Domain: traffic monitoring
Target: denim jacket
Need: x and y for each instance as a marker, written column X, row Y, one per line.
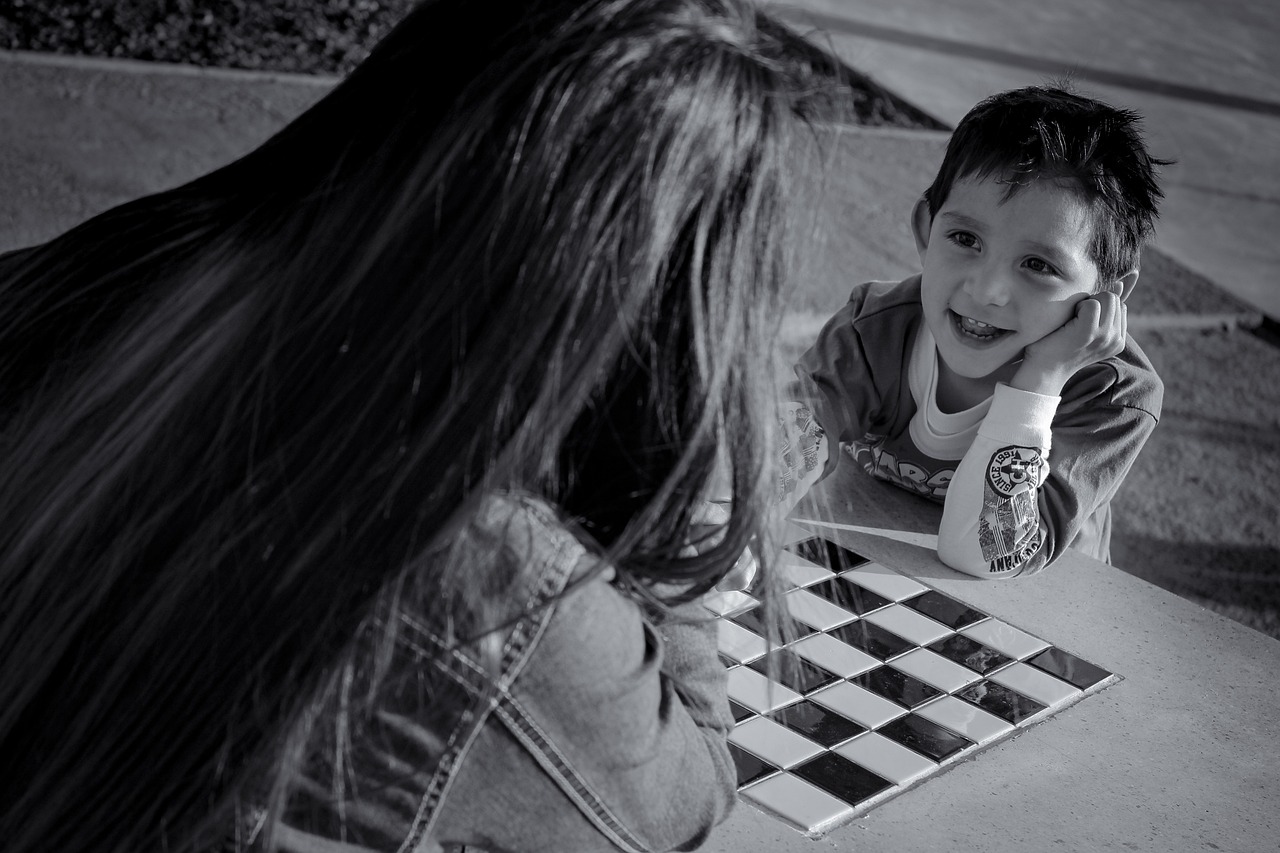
column 583, row 724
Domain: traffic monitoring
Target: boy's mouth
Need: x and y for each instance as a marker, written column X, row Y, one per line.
column 976, row 329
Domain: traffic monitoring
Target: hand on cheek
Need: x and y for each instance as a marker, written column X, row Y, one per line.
column 1094, row 332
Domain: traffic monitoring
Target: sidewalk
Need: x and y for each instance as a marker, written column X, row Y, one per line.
column 1204, row 73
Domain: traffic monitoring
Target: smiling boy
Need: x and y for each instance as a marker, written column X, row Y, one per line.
column 1001, row 380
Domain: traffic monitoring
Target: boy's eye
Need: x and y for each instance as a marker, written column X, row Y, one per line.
column 963, row 239
column 1040, row 266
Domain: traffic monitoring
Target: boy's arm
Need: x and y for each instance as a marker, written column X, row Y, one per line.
column 1005, row 513
column 832, row 401
column 1013, row 507
column 992, row 524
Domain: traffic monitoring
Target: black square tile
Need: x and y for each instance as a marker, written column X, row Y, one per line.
column 750, row 768
column 753, row 620
column 793, row 671
column 849, row 595
column 925, row 737
column 896, row 686
column 1000, row 700
column 817, row 723
column 1068, row 667
column 970, row 653
column 945, row 609
column 872, row 639
column 740, row 712
column 835, row 557
column 837, row 775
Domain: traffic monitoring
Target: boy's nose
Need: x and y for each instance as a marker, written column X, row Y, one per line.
column 988, row 287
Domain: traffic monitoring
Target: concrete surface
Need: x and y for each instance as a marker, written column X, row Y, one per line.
column 1176, row 756
column 1205, row 73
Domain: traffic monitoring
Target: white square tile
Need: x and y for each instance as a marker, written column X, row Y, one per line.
column 791, row 798
column 963, row 718
column 1037, row 684
column 1005, row 638
column 885, row 581
column 739, row 643
column 815, row 610
column 932, row 668
column 887, row 758
column 750, row 688
column 908, row 624
column 800, row 571
column 730, row 601
column 773, row 742
column 834, row 656
column 858, row 704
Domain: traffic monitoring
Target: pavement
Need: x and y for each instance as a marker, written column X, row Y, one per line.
column 1204, row 73
column 1198, row 513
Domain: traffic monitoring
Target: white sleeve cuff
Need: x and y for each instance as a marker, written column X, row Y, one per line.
column 1019, row 417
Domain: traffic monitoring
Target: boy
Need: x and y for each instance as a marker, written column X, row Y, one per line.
column 1001, row 380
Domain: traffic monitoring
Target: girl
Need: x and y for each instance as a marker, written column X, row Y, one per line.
column 348, row 489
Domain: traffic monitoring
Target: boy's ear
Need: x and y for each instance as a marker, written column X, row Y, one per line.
column 921, row 223
column 1126, row 283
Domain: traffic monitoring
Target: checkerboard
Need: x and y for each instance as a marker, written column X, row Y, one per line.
column 887, row 682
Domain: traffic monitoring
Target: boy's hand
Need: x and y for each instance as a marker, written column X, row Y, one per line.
column 1096, row 331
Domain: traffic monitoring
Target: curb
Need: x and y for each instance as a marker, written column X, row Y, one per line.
column 167, row 69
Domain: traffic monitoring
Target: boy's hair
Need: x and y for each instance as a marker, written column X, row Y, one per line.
column 1024, row 135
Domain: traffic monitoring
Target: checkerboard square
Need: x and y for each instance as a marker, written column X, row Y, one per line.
column 847, row 595
column 750, row 767
column 935, row 670
column 879, row 642
column 797, row 802
column 897, row 686
column 817, row 723
column 858, row 704
column 776, row 744
column 1005, row 638
column 969, row 653
column 1036, row 683
column 1009, row 705
column 966, row 719
column 1069, row 668
column 942, row 608
column 925, row 737
column 834, row 656
column 837, row 775
column 793, row 671
column 887, row 758
column 885, row 581
column 908, row 624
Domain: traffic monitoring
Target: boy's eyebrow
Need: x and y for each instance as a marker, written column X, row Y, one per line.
column 1057, row 257
column 962, row 220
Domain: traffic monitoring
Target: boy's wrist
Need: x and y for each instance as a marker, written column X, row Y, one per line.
column 1040, row 380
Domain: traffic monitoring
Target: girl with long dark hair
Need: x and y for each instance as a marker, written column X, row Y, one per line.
column 347, row 490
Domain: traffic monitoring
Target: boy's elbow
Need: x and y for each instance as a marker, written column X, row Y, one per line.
column 970, row 562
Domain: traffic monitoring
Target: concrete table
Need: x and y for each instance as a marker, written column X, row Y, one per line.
column 1179, row 754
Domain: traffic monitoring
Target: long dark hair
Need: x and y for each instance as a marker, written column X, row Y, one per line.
column 530, row 246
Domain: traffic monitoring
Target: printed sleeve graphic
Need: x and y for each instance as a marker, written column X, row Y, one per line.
column 1009, row 529
column 802, row 439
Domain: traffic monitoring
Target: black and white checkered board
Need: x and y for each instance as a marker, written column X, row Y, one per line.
column 888, row 681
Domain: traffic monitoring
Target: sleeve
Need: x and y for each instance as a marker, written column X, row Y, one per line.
column 638, row 713
column 832, row 401
column 1012, row 507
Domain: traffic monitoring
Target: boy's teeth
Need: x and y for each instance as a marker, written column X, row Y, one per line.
column 976, row 326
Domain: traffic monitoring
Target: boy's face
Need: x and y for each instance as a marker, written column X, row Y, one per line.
column 999, row 275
